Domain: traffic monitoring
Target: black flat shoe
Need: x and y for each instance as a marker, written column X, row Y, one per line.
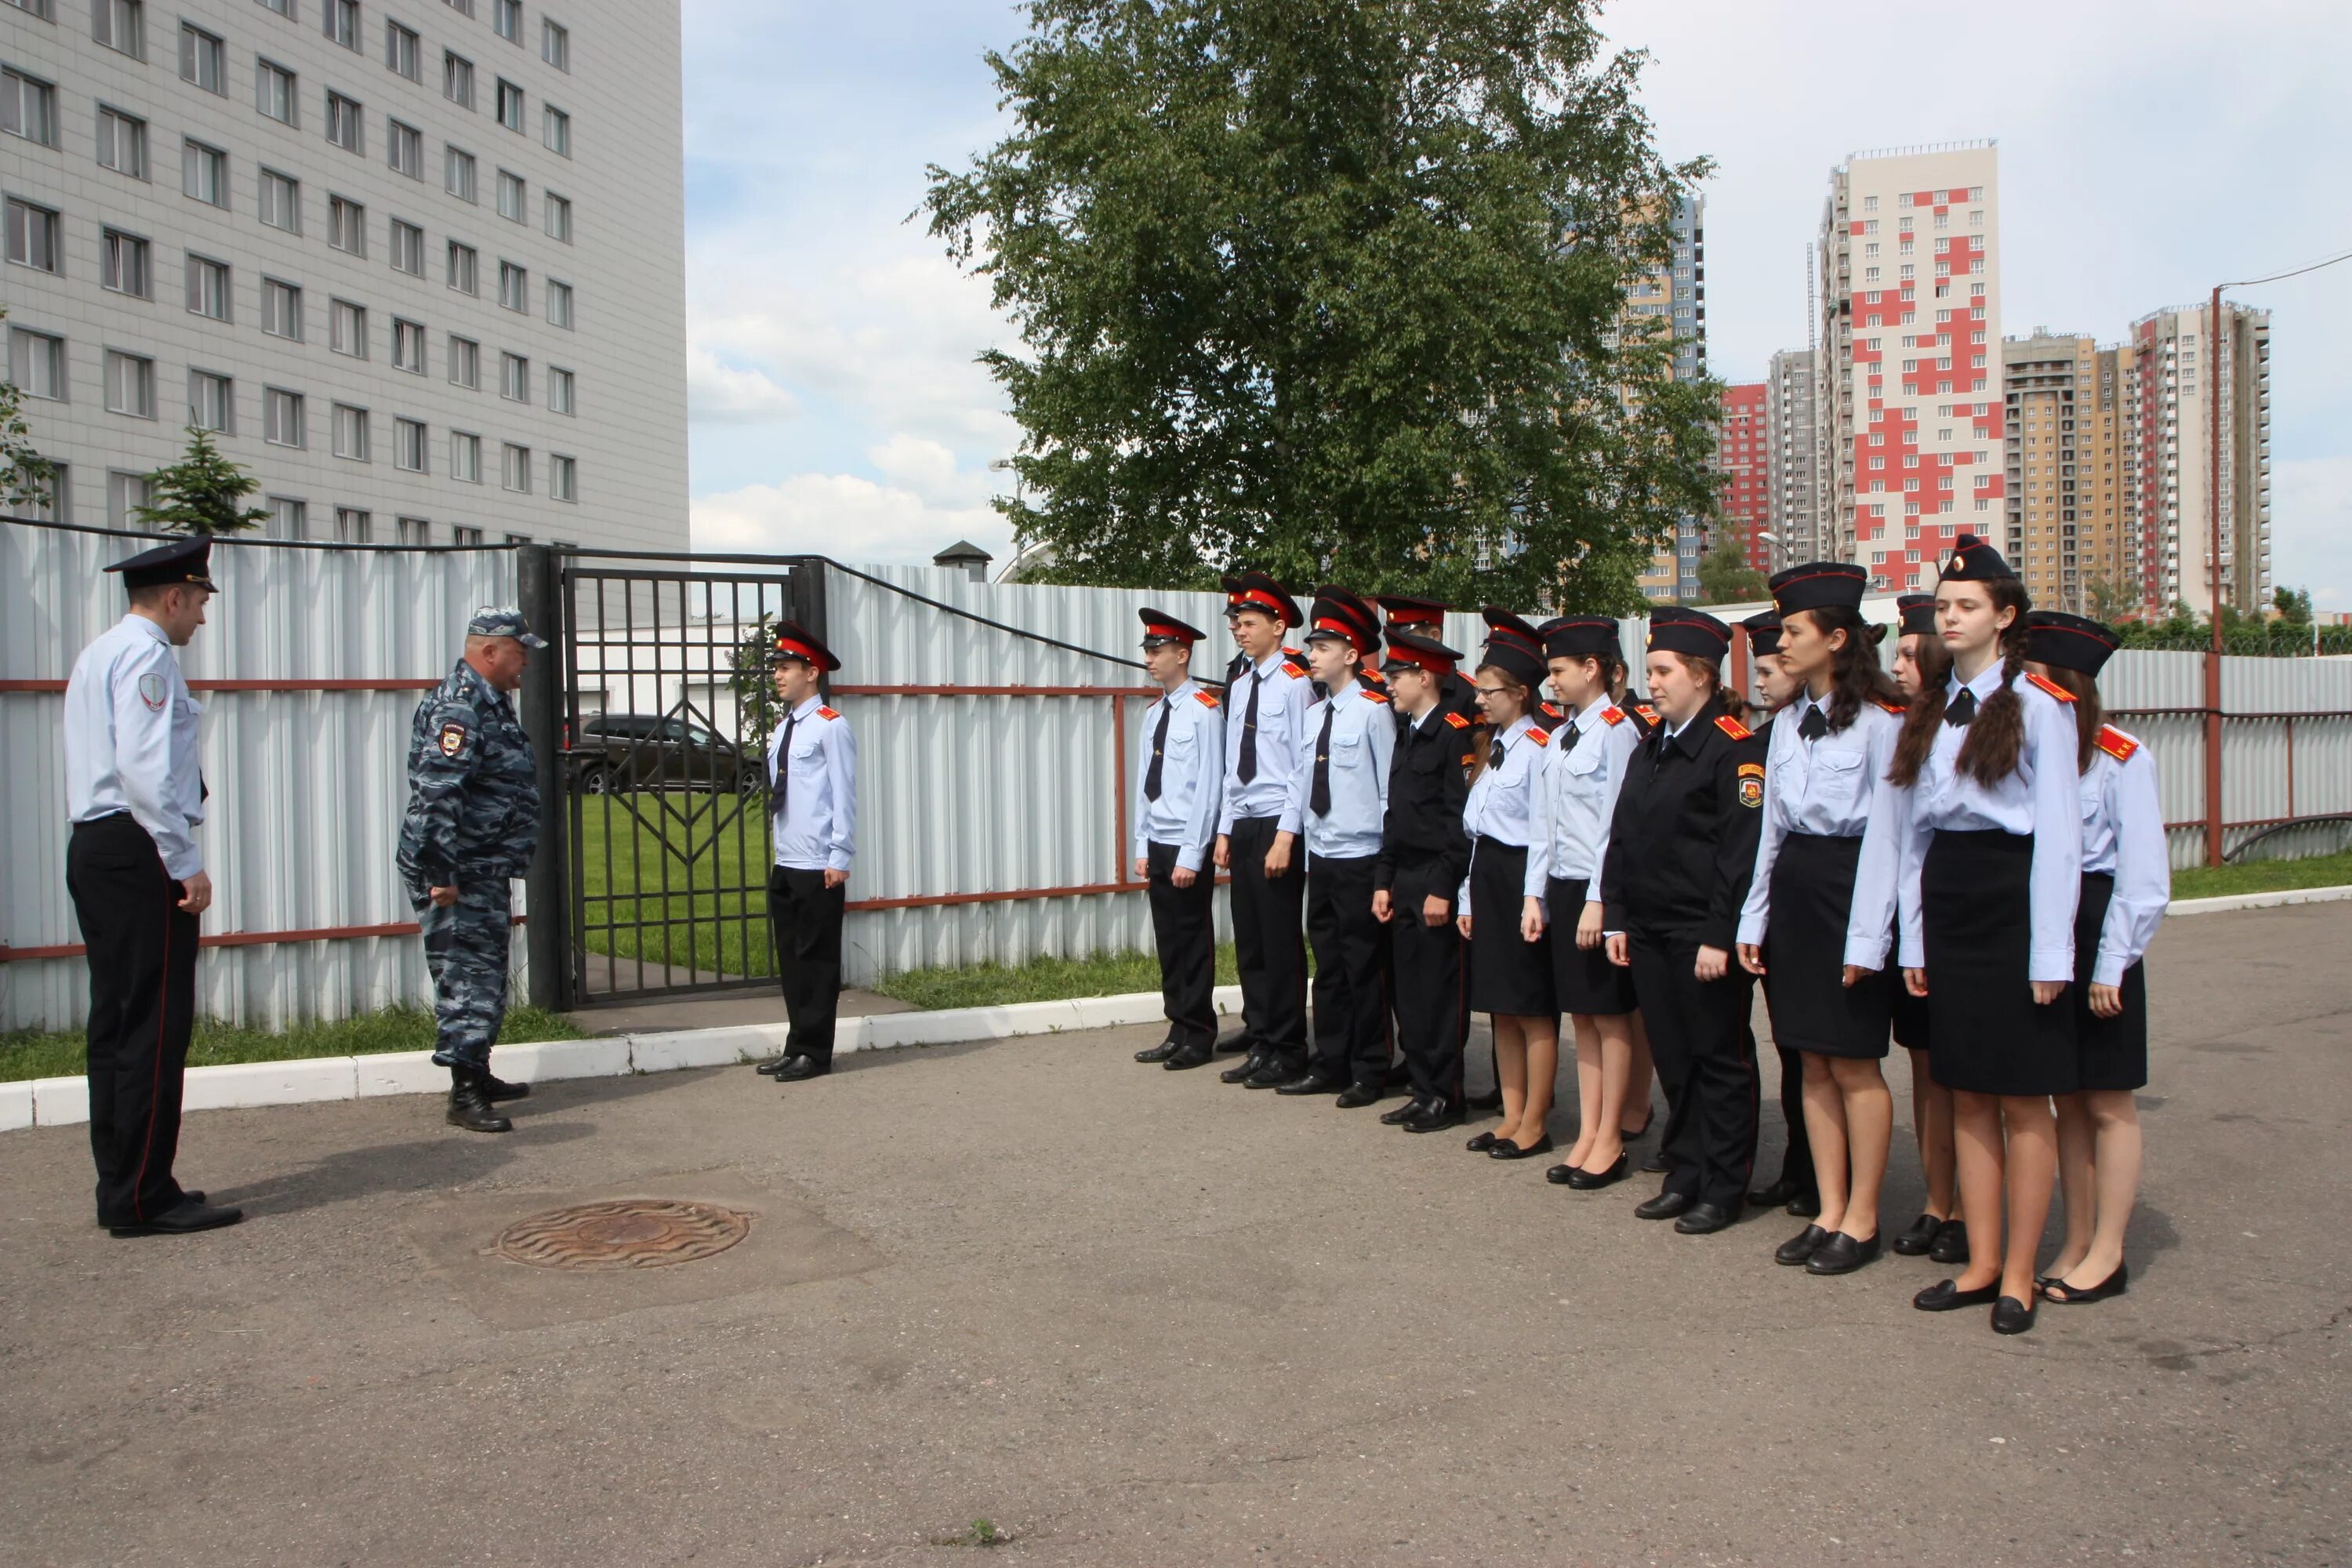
column 1773, row 1196
column 1665, row 1205
column 1357, row 1096
column 1841, row 1254
column 1951, row 1243
column 1505, row 1148
column 1274, row 1074
column 1657, row 1164
column 1245, row 1069
column 1705, row 1219
column 767, row 1068
column 1159, row 1053
column 2012, row 1316
column 1945, row 1296
column 1794, row 1252
column 188, row 1214
column 1239, row 1040
column 1594, row 1181
column 2066, row 1295
column 1309, row 1082
column 1435, row 1116
column 1403, row 1113
column 1631, row 1134
column 798, row 1069
column 1481, row 1142
column 1185, row 1061
column 1804, row 1205
column 1921, row 1236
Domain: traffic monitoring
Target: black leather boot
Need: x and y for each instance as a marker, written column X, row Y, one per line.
column 496, row 1088
column 469, row 1102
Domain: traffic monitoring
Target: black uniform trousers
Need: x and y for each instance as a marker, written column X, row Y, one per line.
column 1707, row 1062
column 1351, row 998
column 1432, row 997
column 142, row 950
column 1183, row 928
column 804, row 920
column 1268, row 948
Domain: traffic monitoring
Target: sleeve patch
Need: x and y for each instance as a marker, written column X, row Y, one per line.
column 1456, row 720
column 1752, row 788
column 1733, row 727
column 2050, row 686
column 828, row 714
column 1613, row 715
column 2116, row 744
column 452, row 739
column 1751, row 770
column 1540, row 737
column 1205, row 700
column 152, row 691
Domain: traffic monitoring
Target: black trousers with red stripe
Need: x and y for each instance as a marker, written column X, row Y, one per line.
column 142, row 1007
column 1707, row 1063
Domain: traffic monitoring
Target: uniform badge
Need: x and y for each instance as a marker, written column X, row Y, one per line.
column 1733, row 728
column 1456, row 720
column 2116, row 744
column 1751, row 785
column 452, row 739
column 1205, row 700
column 152, row 691
column 2050, row 686
column 828, row 714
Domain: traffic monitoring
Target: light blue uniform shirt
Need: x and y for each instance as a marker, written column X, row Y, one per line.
column 2039, row 799
column 130, row 741
column 1283, row 740
column 817, row 829
column 1191, row 776
column 2123, row 835
column 1363, row 741
column 1576, row 797
column 1827, row 788
column 1502, row 803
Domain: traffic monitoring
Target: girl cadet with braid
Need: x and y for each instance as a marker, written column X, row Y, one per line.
column 1990, row 872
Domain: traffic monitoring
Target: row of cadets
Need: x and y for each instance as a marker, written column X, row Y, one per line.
column 1340, row 796
column 1820, row 912
column 1681, row 849
column 1176, row 796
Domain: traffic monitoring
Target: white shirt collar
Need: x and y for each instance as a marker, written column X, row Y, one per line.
column 1272, row 661
column 1590, row 714
column 150, row 627
column 809, row 707
column 1987, row 680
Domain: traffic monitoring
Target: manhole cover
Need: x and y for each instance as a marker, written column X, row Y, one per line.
column 623, row 1233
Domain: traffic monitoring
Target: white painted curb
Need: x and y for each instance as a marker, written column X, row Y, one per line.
column 65, row 1101
column 2259, row 901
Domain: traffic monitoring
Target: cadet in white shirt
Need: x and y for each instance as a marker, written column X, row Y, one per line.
column 138, row 882
column 812, row 805
column 2126, row 883
column 1180, row 774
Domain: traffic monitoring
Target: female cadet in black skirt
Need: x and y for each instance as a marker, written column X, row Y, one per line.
column 1921, row 659
column 1681, row 847
column 1510, row 967
column 2126, row 882
column 1794, row 1188
column 1819, row 915
column 1575, row 800
column 1991, row 869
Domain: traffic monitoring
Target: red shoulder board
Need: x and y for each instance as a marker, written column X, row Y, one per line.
column 828, row 714
column 1292, row 655
column 1897, row 709
column 2116, row 744
column 1293, row 671
column 2050, row 686
column 1374, row 696
column 1206, row 701
column 1733, row 727
column 1540, row 737
column 1613, row 715
column 1456, row 720
column 1649, row 715
column 1371, row 677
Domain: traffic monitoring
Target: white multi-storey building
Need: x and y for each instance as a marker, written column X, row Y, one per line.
column 1791, row 470
column 421, row 264
column 2178, row 367
column 1908, row 394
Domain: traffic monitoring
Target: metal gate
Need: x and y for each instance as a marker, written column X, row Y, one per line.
column 667, row 710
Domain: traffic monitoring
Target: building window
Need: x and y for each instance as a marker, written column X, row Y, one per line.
column 347, row 224
column 514, row 378
column 560, row 391
column 463, row 7
column 344, row 126
column 353, row 526
column 408, row 446
column 351, row 433
column 347, row 329
column 204, row 172
column 281, row 310
column 41, row 8
column 510, row 105
column 122, row 142
column 124, row 265
column 457, row 78
column 559, row 216
column 125, row 495
column 465, row 362
column 283, row 7
column 404, row 148
column 119, row 24
column 407, row 249
column 204, row 58
column 413, row 531
column 275, row 91
column 466, row 537
column 408, row 345
column 465, row 457
column 508, row 20
column 130, row 384
column 511, row 195
column 29, row 107
column 211, row 402
column 342, row 21
column 281, row 200
column 32, row 236
column 557, row 127
column 289, row 519
column 400, row 51
column 559, row 303
column 281, row 417
column 208, row 284
column 457, row 173
column 37, row 363
column 514, row 287
column 555, row 45
column 563, row 478
column 465, row 270
column 514, row 467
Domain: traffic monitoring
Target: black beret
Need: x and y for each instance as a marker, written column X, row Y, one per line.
column 1918, row 613
column 1819, row 585
column 1581, row 636
column 1764, row 632
column 1975, row 561
column 1676, row 630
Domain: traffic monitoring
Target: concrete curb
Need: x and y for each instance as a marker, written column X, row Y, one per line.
column 65, row 1101
column 2259, row 901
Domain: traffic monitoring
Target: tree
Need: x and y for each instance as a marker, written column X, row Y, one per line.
column 24, row 474
column 199, row 494
column 2111, row 599
column 2293, row 605
column 1335, row 287
column 1724, row 576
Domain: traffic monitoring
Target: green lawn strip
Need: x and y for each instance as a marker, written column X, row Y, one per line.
column 659, row 855
column 59, row 1053
column 1039, row 980
column 2262, row 877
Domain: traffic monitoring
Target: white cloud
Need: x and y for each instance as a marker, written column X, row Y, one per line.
column 719, row 394
column 845, row 516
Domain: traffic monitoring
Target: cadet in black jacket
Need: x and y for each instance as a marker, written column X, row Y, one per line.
column 1681, row 849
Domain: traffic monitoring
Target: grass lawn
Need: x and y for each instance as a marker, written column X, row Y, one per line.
column 1040, row 979
column 2262, row 877
column 59, row 1054
column 662, row 855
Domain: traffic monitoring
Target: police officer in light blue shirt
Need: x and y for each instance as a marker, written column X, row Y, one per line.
column 1178, row 779
column 812, row 807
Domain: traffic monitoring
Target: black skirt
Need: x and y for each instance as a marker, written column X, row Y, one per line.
column 1990, row 1037
column 1909, row 1013
column 1583, row 980
column 1508, row 974
column 2109, row 1053
column 1812, row 1006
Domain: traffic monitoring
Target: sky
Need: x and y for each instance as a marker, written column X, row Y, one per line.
column 2148, row 151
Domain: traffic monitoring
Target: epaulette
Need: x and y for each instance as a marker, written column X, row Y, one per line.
column 1551, row 710
column 1732, row 727
column 1649, row 715
column 1897, row 709
column 1540, row 737
column 1206, row 700
column 828, row 714
column 1373, row 695
column 2050, row 686
column 1293, row 670
column 2116, row 744
column 1456, row 720
column 1613, row 715
column 1292, row 655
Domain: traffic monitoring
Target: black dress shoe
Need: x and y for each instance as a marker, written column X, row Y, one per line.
column 1309, row 1082
column 1246, row 1069
column 1594, row 1181
column 1159, row 1053
column 1773, row 1196
column 1631, row 1134
column 2061, row 1292
column 1481, row 1142
column 1186, row 1060
column 1921, row 1236
column 1804, row 1205
column 1272, row 1073
column 1357, row 1096
column 2012, row 1316
column 1665, row 1205
column 1403, row 1113
column 1657, row 1164
column 769, row 1067
column 796, row 1069
column 190, row 1214
column 1951, row 1243
column 1945, row 1296
column 1505, row 1148
column 1705, row 1219
column 498, row 1089
column 1239, row 1040
column 1841, row 1254
column 1435, row 1115
column 1800, row 1246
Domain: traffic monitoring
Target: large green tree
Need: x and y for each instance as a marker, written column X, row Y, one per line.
column 1335, row 287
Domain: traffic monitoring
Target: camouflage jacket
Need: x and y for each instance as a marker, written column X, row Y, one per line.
column 473, row 798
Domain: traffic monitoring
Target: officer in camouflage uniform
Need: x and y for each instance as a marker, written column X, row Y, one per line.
column 472, row 824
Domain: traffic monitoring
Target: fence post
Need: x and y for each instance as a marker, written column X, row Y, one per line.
column 548, row 884
column 2214, row 753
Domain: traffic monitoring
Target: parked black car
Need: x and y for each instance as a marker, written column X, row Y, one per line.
column 617, row 752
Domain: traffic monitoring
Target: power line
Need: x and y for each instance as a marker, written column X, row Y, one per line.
column 2291, row 272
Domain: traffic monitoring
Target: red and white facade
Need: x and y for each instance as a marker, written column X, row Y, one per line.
column 1742, row 448
column 1908, row 381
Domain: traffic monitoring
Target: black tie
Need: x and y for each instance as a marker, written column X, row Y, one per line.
column 1814, row 725
column 1248, row 770
column 1158, row 749
column 784, row 763
column 1318, row 799
column 1568, row 740
column 1494, row 755
column 1963, row 708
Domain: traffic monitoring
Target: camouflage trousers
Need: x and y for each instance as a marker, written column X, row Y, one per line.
column 466, row 948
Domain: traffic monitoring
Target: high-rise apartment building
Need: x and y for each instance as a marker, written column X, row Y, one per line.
column 2050, row 438
column 2178, row 367
column 1677, row 295
column 1792, row 467
column 1742, row 440
column 1907, row 401
column 420, row 267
